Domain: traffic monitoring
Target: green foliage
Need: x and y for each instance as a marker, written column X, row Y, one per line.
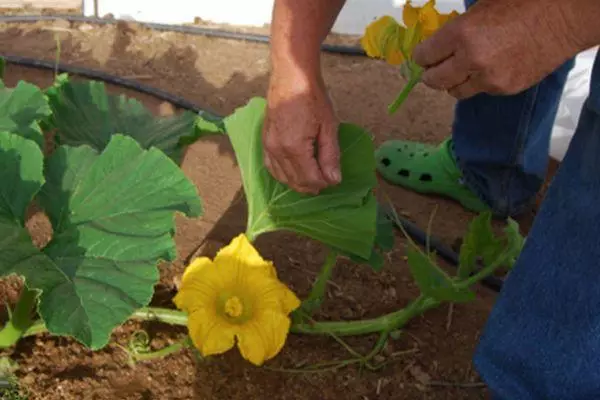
column 482, row 245
column 21, row 109
column 84, row 113
column 481, row 254
column 112, row 213
column 384, row 242
column 206, row 125
column 342, row 217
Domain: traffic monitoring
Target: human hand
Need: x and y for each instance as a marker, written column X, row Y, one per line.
column 300, row 134
column 497, row 47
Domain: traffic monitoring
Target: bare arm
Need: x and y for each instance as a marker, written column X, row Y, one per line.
column 298, row 29
column 300, row 130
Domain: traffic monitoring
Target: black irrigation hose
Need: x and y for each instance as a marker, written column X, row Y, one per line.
column 188, row 29
column 411, row 229
column 109, row 78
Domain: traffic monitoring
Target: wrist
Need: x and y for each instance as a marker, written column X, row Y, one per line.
column 301, row 77
column 297, row 64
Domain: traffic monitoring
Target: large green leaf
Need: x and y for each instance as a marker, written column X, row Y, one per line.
column 21, row 108
column 21, row 177
column 343, row 217
column 113, row 220
column 84, row 113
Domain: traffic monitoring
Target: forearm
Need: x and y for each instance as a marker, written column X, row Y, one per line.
column 298, row 29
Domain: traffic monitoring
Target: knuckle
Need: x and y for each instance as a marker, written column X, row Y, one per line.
column 271, row 143
column 477, row 59
column 289, row 145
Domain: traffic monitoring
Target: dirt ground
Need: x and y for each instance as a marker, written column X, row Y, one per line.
column 431, row 360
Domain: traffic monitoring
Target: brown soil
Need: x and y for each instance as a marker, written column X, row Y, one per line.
column 223, row 75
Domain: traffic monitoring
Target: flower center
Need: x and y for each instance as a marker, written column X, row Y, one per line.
column 234, row 307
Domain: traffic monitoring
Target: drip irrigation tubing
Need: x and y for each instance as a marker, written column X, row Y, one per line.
column 416, row 233
column 188, row 29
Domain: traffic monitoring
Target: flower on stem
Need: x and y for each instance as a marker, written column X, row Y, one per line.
column 385, row 38
column 236, row 297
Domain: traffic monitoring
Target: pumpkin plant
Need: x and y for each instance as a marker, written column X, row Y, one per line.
column 111, row 188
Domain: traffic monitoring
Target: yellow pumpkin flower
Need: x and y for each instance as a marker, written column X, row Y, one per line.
column 385, row 38
column 236, row 297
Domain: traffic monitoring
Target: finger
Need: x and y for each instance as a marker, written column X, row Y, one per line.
column 465, row 90
column 301, row 166
column 276, row 170
column 308, row 180
column 437, row 48
column 329, row 154
column 268, row 162
column 446, row 75
column 291, row 171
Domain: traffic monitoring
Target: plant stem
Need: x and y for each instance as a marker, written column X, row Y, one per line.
column 20, row 320
column 317, row 294
column 386, row 323
column 165, row 315
column 389, row 322
column 412, row 82
column 165, row 351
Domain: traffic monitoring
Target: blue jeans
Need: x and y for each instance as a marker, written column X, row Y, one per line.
column 542, row 340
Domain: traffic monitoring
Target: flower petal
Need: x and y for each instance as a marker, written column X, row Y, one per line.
column 382, row 39
column 429, row 17
column 209, row 333
column 264, row 337
column 410, row 14
column 270, row 294
column 290, row 301
column 240, row 253
column 200, row 286
column 445, row 18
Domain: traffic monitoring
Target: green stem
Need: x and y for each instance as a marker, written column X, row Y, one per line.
column 317, row 294
column 386, row 323
column 20, row 320
column 483, row 273
column 165, row 351
column 413, row 81
column 164, row 315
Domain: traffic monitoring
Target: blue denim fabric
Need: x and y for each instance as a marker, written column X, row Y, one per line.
column 501, row 143
column 542, row 340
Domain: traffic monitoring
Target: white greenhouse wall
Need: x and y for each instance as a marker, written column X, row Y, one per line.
column 352, row 20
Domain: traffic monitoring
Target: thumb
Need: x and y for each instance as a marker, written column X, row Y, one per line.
column 329, row 153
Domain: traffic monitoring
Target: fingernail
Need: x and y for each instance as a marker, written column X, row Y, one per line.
column 335, row 176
